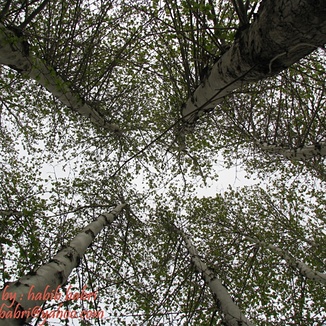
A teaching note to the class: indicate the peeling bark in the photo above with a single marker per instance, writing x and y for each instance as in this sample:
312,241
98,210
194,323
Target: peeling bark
51,276
282,33
15,54
304,269
231,314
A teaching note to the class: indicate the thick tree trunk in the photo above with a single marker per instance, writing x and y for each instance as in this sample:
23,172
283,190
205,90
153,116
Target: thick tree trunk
16,298
282,33
15,54
304,269
231,314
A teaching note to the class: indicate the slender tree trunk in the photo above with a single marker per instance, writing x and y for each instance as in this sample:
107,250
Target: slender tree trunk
15,54
282,33
231,314
16,297
291,261
299,154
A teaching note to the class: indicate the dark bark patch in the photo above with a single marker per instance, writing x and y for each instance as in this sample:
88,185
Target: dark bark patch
90,232
60,276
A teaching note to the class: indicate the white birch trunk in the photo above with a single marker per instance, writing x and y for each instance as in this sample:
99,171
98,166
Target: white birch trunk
13,54
291,261
282,33
299,154
232,316
47,278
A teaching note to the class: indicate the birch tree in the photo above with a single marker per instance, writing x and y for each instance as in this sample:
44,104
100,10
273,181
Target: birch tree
277,38
168,94
230,312
19,299
230,223
294,263
16,57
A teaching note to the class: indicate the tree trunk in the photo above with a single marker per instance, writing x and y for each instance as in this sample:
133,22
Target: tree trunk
231,314
20,296
15,54
291,261
281,34
299,154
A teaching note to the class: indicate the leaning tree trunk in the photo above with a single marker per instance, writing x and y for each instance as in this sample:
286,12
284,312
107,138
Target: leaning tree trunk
296,154
304,269
282,33
49,277
231,314
15,54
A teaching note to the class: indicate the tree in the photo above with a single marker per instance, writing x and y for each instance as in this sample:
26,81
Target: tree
20,298
304,269
166,95
230,312
277,38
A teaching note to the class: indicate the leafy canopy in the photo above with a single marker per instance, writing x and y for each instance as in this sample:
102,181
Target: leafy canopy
135,63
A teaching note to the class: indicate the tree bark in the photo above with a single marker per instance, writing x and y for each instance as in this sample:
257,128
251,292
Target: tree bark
231,314
15,54
282,33
299,154
16,297
304,269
